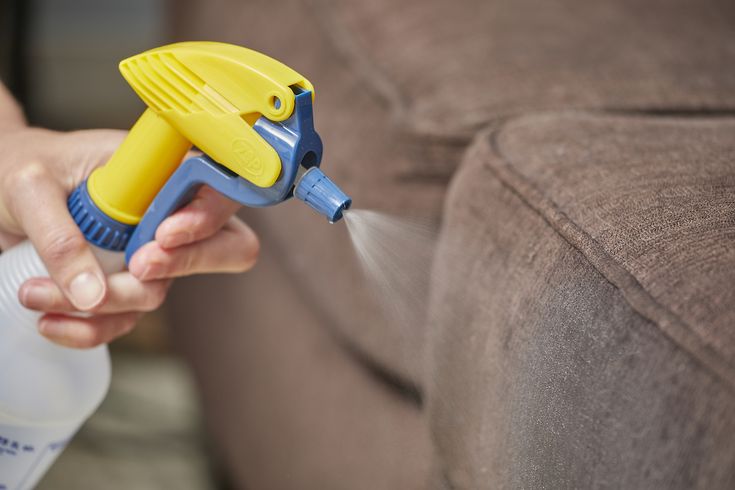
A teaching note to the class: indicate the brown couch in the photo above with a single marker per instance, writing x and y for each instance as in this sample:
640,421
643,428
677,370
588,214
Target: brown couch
580,319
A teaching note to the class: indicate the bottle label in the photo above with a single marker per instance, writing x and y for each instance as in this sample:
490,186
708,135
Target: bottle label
26,453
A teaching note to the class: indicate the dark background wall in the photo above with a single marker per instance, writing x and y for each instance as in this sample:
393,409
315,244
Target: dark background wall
60,57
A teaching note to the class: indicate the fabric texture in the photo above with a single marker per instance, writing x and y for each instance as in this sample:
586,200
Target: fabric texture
557,360
448,68
286,403
650,201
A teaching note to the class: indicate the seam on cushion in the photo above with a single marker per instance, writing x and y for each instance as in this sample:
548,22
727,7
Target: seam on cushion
676,329
383,85
387,90
346,44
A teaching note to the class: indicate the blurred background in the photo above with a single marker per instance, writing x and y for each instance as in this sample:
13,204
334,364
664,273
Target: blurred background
60,58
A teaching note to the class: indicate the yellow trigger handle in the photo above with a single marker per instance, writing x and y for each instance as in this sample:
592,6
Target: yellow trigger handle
202,93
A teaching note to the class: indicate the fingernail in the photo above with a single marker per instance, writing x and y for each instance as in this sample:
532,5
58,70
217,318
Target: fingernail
51,329
176,239
37,296
86,290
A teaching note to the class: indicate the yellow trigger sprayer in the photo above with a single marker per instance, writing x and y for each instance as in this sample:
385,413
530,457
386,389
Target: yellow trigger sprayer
252,118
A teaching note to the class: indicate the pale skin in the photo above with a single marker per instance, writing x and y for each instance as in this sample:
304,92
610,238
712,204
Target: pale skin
38,170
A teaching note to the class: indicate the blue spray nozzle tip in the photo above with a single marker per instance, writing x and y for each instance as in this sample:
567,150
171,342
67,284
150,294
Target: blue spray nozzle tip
323,195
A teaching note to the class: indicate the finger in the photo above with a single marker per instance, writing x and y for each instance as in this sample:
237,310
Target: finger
125,293
39,203
233,249
84,333
199,219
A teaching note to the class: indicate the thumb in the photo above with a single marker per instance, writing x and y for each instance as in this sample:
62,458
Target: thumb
39,203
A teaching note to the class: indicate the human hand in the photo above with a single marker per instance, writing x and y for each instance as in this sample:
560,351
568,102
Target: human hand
38,170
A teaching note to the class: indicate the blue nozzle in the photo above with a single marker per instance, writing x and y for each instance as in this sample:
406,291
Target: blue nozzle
319,192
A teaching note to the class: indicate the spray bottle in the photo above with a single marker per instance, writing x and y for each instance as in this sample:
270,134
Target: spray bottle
252,118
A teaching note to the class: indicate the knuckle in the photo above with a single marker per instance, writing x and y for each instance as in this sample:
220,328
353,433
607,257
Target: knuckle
203,224
155,298
61,244
189,260
20,182
248,252
127,324
103,330
27,176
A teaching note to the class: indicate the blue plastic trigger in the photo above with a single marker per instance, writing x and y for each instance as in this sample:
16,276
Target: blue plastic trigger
295,141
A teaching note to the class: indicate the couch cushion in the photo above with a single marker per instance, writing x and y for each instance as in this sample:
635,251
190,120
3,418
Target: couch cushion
390,74
582,306
447,67
652,202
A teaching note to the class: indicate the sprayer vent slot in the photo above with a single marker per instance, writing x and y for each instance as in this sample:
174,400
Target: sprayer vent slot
309,159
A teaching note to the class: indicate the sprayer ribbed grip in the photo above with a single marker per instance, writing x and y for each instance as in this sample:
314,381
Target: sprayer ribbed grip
97,227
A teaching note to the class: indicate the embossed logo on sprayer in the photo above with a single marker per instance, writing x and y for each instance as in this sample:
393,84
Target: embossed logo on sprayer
247,156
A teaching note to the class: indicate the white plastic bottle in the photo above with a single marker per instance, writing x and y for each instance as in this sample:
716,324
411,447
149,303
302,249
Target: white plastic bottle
46,391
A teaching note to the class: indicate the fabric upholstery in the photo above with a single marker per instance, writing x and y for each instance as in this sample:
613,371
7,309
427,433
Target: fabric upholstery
581,338
402,89
449,67
653,203
285,402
